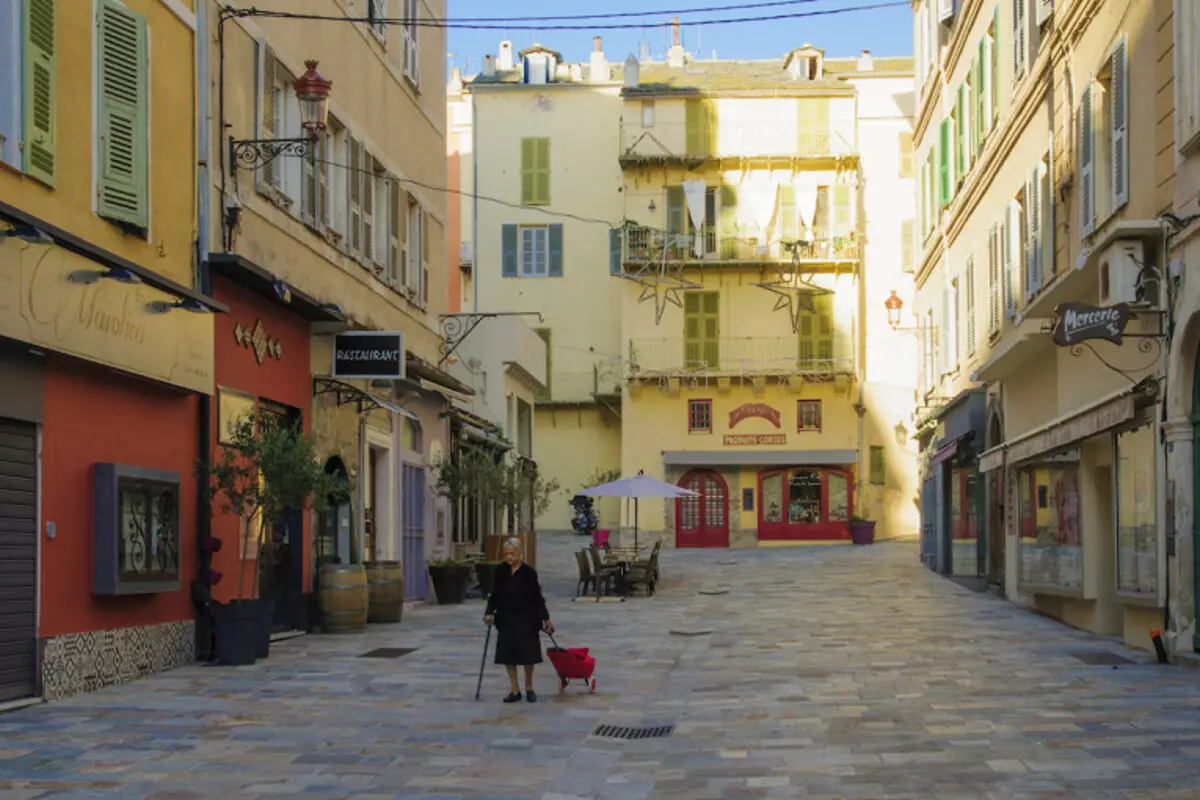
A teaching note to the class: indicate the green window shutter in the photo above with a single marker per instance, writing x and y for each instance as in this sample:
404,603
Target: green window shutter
728,232
878,470
790,230
701,330
556,251
40,89
541,179
701,127
813,126
508,251
124,139
995,65
527,169
843,210
615,237
945,164
691,330
676,211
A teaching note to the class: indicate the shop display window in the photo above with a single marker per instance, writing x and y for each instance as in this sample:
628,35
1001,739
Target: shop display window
1136,509
1049,522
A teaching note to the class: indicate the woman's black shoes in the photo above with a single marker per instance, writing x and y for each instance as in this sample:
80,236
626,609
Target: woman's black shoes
531,695
514,697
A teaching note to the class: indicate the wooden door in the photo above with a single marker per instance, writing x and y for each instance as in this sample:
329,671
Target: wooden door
703,521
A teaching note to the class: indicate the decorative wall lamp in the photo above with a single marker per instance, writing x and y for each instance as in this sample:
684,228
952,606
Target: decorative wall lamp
312,91
895,307
27,233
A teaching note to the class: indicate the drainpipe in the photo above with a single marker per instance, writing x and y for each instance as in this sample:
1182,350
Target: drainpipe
202,594
477,271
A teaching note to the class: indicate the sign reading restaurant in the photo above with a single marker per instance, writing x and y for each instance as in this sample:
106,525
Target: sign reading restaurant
369,355
1079,322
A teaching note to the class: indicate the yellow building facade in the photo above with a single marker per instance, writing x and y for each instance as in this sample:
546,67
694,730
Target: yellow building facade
1039,200
667,268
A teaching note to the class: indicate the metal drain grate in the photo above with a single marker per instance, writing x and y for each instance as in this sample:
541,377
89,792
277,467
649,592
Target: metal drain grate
1101,659
389,652
640,732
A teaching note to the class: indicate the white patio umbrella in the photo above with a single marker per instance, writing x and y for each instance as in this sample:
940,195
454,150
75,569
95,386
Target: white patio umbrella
639,486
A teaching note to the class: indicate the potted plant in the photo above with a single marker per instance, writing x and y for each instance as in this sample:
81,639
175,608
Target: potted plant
862,531
450,578
266,466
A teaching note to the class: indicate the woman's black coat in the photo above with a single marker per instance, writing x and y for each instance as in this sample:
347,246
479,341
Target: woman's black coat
519,609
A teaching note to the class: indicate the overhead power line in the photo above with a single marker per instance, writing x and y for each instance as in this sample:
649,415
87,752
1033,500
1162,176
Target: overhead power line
457,25
662,12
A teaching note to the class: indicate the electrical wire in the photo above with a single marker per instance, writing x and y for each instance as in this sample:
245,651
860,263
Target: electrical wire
462,193
628,14
454,25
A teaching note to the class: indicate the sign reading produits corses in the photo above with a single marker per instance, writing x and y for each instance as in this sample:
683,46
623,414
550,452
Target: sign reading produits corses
369,355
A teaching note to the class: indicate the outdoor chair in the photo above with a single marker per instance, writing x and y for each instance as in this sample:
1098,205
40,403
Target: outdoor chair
598,565
653,557
644,574
602,581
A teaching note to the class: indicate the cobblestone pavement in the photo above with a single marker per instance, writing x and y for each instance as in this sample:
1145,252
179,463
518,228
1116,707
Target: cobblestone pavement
814,672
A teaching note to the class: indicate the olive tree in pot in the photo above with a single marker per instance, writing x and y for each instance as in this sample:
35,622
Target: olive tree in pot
267,465
470,473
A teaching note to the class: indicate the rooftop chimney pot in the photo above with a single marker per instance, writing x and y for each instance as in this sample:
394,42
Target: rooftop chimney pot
596,45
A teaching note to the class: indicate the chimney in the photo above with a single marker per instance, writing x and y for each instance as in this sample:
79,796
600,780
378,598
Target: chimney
631,72
676,53
506,61
598,69
456,81
489,66
865,62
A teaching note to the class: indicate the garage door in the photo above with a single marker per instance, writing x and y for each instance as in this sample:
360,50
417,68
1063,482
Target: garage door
18,559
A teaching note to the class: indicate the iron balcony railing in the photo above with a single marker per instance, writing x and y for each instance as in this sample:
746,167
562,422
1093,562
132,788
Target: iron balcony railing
784,138
581,387
648,244
745,356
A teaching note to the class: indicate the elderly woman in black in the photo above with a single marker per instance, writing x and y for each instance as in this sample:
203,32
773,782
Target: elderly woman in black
517,605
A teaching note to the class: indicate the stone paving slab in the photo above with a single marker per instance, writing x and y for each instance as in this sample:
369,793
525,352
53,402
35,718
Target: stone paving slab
821,672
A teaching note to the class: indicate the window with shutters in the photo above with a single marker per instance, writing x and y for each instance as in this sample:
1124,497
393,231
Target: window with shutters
397,206
1117,96
969,309
535,251
426,244
124,146
994,50
701,330
908,245
535,171
843,210
962,127
1086,149
878,467
376,14
379,250
950,323
1102,146
995,280
1045,233
29,119
816,332
1013,249
906,154
808,415
414,248
701,127
367,190
354,184
700,416
928,361
946,177
412,50
314,205
1186,26
1020,38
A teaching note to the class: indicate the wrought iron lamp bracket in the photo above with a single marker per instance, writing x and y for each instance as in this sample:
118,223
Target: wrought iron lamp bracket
455,328
256,153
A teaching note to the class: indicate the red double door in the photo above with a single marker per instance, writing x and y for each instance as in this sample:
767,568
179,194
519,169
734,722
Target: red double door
703,521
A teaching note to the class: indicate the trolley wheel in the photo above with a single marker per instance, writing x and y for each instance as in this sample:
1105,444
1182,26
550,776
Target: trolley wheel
562,684
593,685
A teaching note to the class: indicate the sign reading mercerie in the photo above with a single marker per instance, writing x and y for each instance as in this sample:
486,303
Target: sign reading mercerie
1078,322
369,355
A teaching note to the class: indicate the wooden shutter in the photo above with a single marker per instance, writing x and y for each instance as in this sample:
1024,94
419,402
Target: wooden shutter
354,206
556,251
701,326
1006,265
962,131
700,116
41,89
1120,124
394,252
425,244
412,52
843,205
729,201
994,281
1020,32
947,328
368,206
508,251
711,329
1087,166
541,181
945,165
528,158
878,472
692,339
676,211
983,98
616,237
994,50
969,305
124,140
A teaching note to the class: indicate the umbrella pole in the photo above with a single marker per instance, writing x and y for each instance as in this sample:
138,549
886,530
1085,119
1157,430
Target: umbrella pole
636,517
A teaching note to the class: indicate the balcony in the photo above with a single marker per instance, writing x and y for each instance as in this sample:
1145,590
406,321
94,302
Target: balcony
643,244
601,383
780,140
742,357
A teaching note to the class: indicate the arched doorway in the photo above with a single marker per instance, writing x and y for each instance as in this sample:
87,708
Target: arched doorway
703,521
995,514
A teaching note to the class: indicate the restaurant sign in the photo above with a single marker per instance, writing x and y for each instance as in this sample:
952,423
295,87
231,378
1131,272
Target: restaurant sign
1079,322
761,410
753,439
369,355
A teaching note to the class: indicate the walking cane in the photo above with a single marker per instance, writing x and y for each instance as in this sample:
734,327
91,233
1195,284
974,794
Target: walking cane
483,662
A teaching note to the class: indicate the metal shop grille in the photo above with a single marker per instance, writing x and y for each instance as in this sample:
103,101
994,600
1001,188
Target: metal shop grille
388,652
640,732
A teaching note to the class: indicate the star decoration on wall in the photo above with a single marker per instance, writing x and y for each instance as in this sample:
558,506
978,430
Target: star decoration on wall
795,294
662,278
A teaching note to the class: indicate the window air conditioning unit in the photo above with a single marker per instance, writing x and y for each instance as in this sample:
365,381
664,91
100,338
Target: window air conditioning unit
1120,267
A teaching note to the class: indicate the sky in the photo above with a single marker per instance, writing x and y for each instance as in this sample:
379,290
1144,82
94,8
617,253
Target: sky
885,32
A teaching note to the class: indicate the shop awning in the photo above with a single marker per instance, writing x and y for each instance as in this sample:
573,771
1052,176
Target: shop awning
990,460
1082,423
486,438
757,458
348,393
945,454
433,379
267,285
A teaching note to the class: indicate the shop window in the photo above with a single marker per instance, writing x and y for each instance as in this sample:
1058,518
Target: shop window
1137,531
804,497
808,415
1050,546
964,521
700,416
136,530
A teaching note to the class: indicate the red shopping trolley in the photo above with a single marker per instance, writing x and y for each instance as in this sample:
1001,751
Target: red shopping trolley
572,664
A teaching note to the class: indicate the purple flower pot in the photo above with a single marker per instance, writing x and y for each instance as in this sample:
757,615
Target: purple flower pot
862,532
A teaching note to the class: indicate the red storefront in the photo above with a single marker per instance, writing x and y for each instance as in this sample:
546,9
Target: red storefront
262,356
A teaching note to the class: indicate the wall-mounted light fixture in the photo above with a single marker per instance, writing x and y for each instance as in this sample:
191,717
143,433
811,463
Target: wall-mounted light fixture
28,233
313,93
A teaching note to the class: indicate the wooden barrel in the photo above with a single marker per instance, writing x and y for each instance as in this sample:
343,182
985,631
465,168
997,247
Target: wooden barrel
342,595
385,583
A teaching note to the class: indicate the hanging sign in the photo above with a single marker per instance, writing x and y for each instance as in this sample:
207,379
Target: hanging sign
760,410
369,355
1079,322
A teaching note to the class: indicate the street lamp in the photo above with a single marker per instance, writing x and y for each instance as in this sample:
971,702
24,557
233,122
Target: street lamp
312,92
894,306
